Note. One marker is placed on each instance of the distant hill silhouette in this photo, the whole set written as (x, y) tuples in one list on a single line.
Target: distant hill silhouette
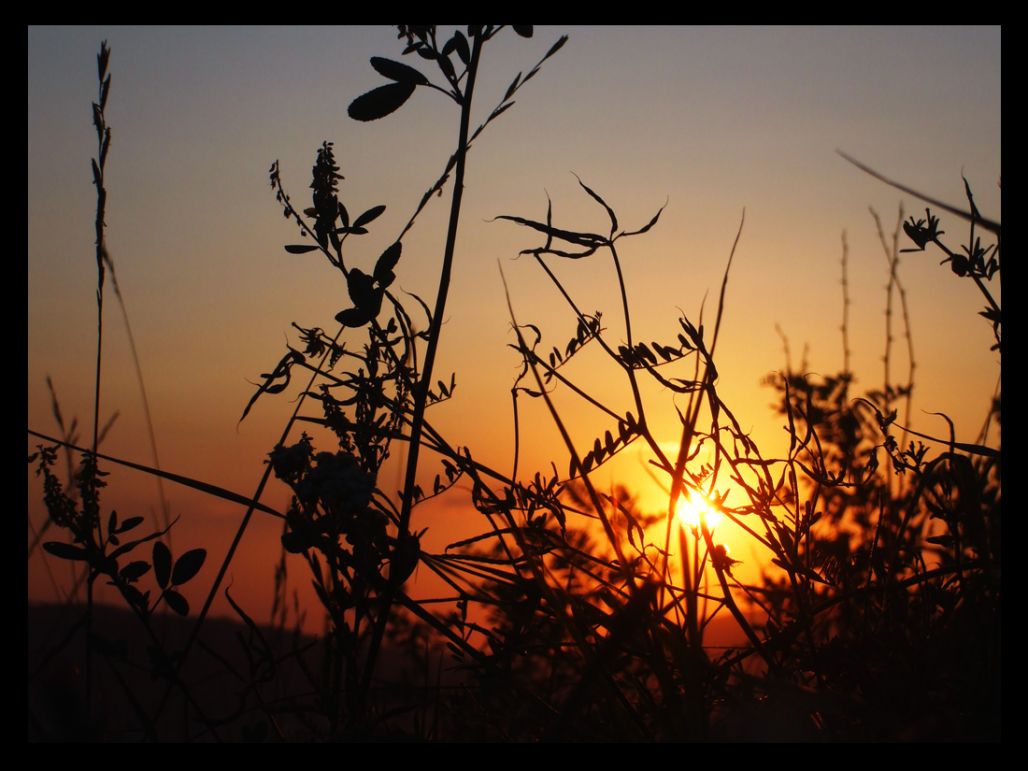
[(217, 673)]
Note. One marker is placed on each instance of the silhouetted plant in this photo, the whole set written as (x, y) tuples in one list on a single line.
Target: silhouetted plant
[(103, 544), (358, 542), (574, 614), (913, 648)]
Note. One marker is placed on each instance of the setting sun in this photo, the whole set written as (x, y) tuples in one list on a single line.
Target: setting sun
[(693, 508)]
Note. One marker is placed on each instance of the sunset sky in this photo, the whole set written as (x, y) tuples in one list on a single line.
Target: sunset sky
[(709, 120)]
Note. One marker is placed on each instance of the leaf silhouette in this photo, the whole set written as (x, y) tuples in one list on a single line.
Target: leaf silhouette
[(461, 46), (360, 287), (401, 73), (177, 602), (300, 248), (381, 101), (161, 563), (135, 570), (555, 47), (187, 566), (126, 548), (65, 550), (647, 226), (596, 197), (580, 239), (128, 524), (368, 216), (447, 67), (386, 263), (353, 317), (525, 30), (512, 87)]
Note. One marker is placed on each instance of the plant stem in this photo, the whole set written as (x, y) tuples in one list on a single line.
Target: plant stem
[(421, 394), (422, 388), (103, 133)]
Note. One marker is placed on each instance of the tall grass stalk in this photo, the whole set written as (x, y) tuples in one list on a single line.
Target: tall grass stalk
[(96, 542), (162, 501), (103, 136)]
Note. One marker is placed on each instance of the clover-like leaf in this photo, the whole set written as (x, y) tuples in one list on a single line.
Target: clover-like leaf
[(360, 286), (384, 267), (460, 44), (161, 563), (401, 73), (65, 550), (187, 566), (128, 524), (135, 570), (447, 68), (368, 216), (353, 317), (381, 101), (177, 602)]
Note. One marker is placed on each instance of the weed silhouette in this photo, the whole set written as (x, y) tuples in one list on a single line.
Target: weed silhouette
[(575, 615)]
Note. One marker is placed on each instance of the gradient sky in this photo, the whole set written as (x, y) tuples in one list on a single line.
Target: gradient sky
[(709, 120)]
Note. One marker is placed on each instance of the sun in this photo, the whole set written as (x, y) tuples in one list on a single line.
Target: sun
[(693, 508)]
